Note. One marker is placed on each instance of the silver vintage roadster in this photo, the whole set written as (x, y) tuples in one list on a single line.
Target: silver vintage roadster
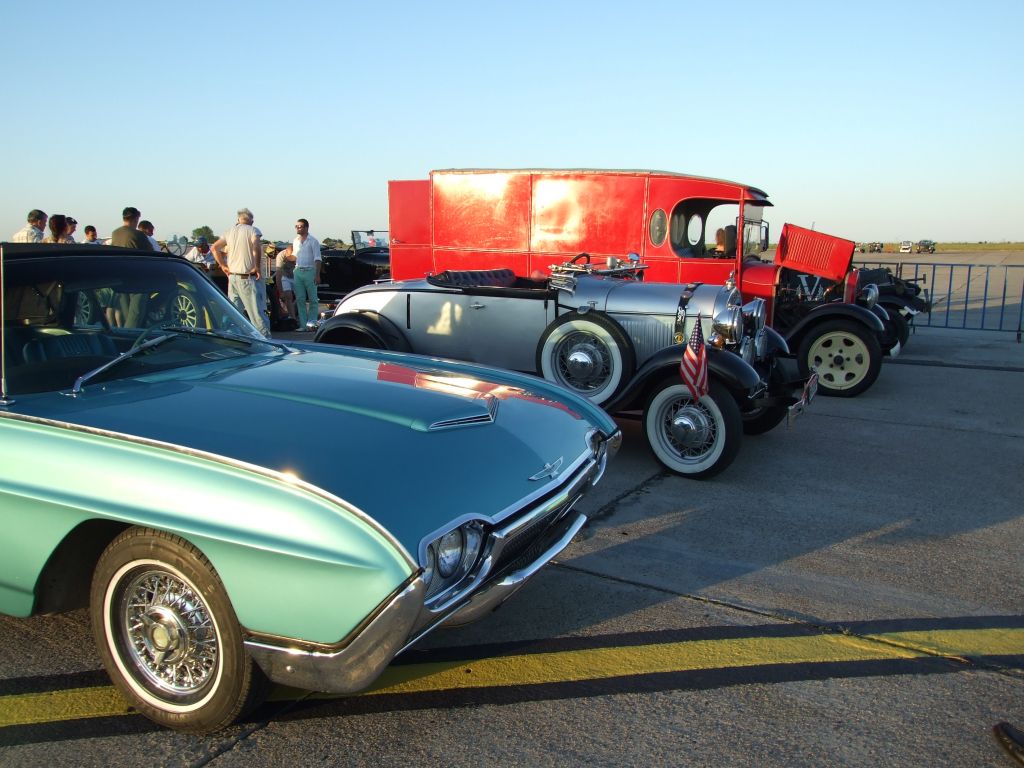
[(603, 333)]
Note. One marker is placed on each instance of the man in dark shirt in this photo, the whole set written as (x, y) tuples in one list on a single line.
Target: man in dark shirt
[(131, 306), (129, 235)]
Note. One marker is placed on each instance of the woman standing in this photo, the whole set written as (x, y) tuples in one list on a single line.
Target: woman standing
[(58, 230)]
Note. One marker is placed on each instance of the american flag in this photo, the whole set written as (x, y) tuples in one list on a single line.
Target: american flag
[(694, 365)]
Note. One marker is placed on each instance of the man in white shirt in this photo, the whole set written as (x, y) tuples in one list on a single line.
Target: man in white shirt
[(200, 253), (238, 252), (33, 231), (306, 250), (90, 236)]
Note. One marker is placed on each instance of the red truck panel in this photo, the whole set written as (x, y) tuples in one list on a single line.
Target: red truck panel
[(481, 210), (409, 228), (815, 253), (574, 212)]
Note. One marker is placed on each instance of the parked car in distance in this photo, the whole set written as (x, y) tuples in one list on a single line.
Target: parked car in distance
[(138, 479), (871, 247), (906, 246), (602, 332), (925, 246), (367, 260)]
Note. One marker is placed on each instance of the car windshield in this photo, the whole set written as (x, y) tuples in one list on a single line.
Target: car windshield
[(369, 238), (72, 318)]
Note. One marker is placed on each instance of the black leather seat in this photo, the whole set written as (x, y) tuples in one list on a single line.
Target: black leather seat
[(469, 278)]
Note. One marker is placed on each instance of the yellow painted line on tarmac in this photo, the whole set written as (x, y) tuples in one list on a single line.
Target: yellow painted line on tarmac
[(54, 706), (960, 642), (582, 665), (603, 663)]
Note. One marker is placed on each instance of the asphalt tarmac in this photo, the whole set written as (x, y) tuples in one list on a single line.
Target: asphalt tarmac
[(849, 592)]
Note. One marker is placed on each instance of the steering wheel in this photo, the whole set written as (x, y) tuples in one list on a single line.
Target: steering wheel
[(575, 259)]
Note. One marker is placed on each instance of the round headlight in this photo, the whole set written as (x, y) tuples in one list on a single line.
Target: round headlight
[(729, 323), (869, 295), (755, 312), (449, 553), (429, 565)]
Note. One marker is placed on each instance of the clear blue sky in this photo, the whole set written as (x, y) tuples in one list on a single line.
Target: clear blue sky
[(869, 120)]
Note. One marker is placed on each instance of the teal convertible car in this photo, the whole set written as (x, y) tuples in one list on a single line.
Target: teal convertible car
[(138, 477)]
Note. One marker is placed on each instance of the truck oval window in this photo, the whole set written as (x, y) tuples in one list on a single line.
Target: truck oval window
[(659, 227), (694, 230)]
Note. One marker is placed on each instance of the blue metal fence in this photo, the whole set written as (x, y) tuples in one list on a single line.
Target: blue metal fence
[(984, 297)]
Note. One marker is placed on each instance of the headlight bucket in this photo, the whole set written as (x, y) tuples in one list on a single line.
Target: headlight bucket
[(729, 323), (450, 557), (868, 295)]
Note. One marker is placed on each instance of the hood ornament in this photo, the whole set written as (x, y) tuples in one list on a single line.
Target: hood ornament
[(550, 470)]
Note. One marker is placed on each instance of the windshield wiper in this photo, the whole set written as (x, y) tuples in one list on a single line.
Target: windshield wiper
[(173, 332), (77, 387)]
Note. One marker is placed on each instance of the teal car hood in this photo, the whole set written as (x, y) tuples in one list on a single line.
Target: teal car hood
[(413, 442)]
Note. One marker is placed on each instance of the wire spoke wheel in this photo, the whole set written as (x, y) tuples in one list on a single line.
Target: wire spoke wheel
[(583, 363), (167, 632), (693, 438), (589, 354)]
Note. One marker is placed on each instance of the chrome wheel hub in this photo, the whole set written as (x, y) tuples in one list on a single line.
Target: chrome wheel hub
[(169, 634), (583, 362), (690, 428)]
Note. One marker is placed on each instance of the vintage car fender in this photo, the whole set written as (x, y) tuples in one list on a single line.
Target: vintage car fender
[(734, 372), (775, 342), (247, 520), (372, 324), (836, 309)]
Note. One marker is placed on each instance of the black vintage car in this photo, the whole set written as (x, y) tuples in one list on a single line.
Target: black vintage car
[(367, 260)]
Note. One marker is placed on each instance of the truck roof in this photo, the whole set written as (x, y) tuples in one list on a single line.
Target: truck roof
[(753, 191)]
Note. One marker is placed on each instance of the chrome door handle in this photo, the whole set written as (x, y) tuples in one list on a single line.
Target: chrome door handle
[(477, 305)]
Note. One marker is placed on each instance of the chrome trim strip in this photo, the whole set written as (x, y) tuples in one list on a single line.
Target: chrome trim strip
[(280, 477), (492, 410), (353, 667)]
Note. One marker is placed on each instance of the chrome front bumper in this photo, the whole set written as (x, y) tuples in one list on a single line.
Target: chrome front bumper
[(351, 667)]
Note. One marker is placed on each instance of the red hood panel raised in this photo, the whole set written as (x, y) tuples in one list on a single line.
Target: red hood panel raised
[(815, 253)]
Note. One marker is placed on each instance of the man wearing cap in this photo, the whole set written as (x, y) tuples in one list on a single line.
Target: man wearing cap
[(200, 253), (72, 226), (128, 235), (32, 232), (238, 252)]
